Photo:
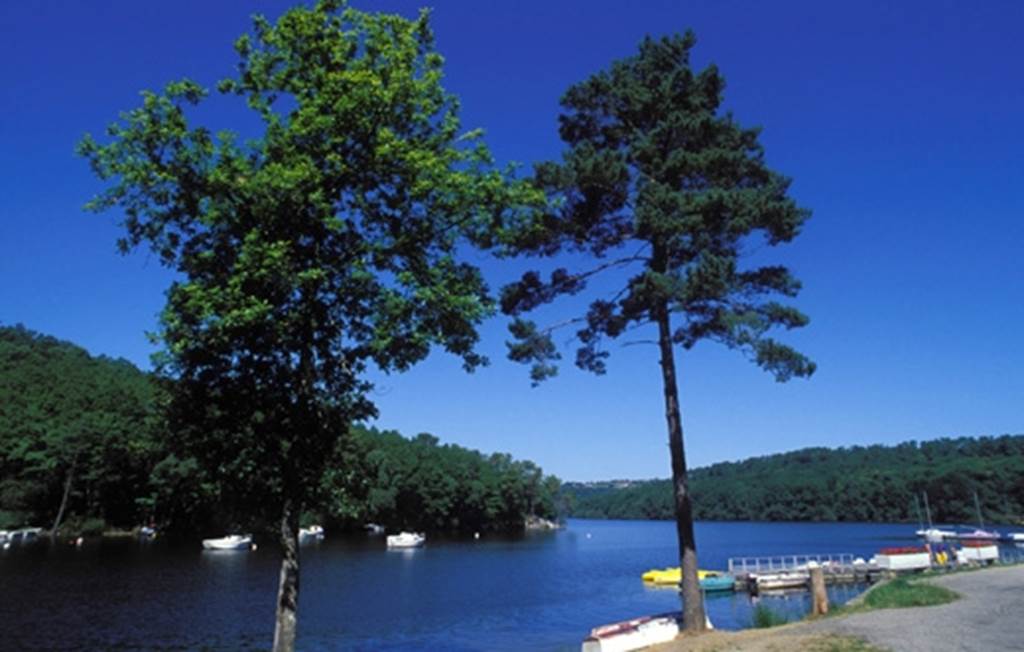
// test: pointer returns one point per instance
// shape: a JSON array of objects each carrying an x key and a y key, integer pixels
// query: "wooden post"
[{"x": 819, "y": 598}]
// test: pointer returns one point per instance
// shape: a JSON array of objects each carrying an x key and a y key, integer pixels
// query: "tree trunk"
[
  {"x": 693, "y": 599},
  {"x": 64, "y": 499},
  {"x": 288, "y": 588}
]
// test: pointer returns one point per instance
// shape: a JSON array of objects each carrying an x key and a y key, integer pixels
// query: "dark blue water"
[{"x": 538, "y": 592}]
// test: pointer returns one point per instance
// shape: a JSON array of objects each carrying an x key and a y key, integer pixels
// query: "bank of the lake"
[{"x": 540, "y": 591}]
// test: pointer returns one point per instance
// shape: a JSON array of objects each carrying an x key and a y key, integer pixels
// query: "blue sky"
[{"x": 900, "y": 123}]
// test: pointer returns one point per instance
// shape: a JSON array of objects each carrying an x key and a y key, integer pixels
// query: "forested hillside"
[
  {"x": 873, "y": 483},
  {"x": 74, "y": 427},
  {"x": 90, "y": 433}
]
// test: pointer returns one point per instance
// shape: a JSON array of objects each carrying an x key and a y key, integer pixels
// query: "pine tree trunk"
[
  {"x": 288, "y": 588},
  {"x": 693, "y": 599},
  {"x": 64, "y": 499}
]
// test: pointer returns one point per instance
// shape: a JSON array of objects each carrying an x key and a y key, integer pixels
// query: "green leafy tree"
[
  {"x": 323, "y": 246},
  {"x": 78, "y": 434},
  {"x": 659, "y": 182}
]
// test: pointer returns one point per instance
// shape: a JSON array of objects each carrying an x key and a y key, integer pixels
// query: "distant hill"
[{"x": 873, "y": 483}]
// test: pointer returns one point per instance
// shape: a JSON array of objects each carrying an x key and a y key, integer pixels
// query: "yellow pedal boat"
[{"x": 709, "y": 580}]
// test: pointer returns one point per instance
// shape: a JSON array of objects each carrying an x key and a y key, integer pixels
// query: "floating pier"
[{"x": 755, "y": 574}]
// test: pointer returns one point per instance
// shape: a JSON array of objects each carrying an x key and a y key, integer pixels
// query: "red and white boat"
[{"x": 633, "y": 634}]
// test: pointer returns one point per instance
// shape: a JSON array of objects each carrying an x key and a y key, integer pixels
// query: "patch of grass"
[
  {"x": 766, "y": 617},
  {"x": 901, "y": 593}
]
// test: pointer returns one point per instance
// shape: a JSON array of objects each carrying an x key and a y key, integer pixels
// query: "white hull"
[
  {"x": 776, "y": 581},
  {"x": 233, "y": 542},
  {"x": 311, "y": 533},
  {"x": 914, "y": 561},
  {"x": 406, "y": 540},
  {"x": 632, "y": 634},
  {"x": 936, "y": 534},
  {"x": 979, "y": 535}
]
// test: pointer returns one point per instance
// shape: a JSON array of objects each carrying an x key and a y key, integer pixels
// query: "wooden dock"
[{"x": 755, "y": 574}]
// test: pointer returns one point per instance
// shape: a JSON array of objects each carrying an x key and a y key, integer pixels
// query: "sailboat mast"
[
  {"x": 977, "y": 508},
  {"x": 917, "y": 509},
  {"x": 927, "y": 510}
]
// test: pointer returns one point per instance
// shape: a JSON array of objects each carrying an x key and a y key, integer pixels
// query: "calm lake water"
[{"x": 537, "y": 592}]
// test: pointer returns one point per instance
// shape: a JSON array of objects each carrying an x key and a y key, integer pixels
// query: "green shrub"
[
  {"x": 11, "y": 519},
  {"x": 86, "y": 526},
  {"x": 765, "y": 617},
  {"x": 902, "y": 593}
]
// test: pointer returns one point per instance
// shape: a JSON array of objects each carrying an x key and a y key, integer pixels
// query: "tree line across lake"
[
  {"x": 87, "y": 436},
  {"x": 858, "y": 483}
]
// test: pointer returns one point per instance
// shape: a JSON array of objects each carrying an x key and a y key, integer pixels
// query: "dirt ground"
[{"x": 788, "y": 638}]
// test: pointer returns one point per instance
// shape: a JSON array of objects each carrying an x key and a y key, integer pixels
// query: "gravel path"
[{"x": 989, "y": 616}]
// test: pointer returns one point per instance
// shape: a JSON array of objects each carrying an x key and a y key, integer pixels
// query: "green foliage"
[
  {"x": 323, "y": 246},
  {"x": 421, "y": 485},
  {"x": 900, "y": 593},
  {"x": 764, "y": 617},
  {"x": 61, "y": 412},
  {"x": 662, "y": 186},
  {"x": 88, "y": 526},
  {"x": 874, "y": 483},
  {"x": 127, "y": 476},
  {"x": 661, "y": 192}
]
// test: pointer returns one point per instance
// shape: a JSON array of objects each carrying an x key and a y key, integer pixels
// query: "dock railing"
[{"x": 748, "y": 565}]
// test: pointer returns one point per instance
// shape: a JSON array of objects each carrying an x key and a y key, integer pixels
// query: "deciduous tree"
[{"x": 325, "y": 245}]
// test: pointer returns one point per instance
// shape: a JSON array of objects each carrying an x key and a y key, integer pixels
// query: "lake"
[{"x": 541, "y": 591}]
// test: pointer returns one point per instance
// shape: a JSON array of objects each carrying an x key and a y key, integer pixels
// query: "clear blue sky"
[{"x": 902, "y": 125}]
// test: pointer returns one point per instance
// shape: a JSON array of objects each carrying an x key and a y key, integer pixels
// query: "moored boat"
[
  {"x": 709, "y": 580},
  {"x": 934, "y": 534},
  {"x": 311, "y": 533},
  {"x": 230, "y": 542},
  {"x": 978, "y": 534},
  {"x": 781, "y": 580},
  {"x": 406, "y": 540}
]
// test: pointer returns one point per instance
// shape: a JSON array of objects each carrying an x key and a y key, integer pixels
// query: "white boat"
[
  {"x": 406, "y": 540},
  {"x": 781, "y": 580},
  {"x": 934, "y": 534},
  {"x": 633, "y": 634},
  {"x": 231, "y": 542},
  {"x": 1017, "y": 537},
  {"x": 373, "y": 528},
  {"x": 311, "y": 533},
  {"x": 979, "y": 534}
]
